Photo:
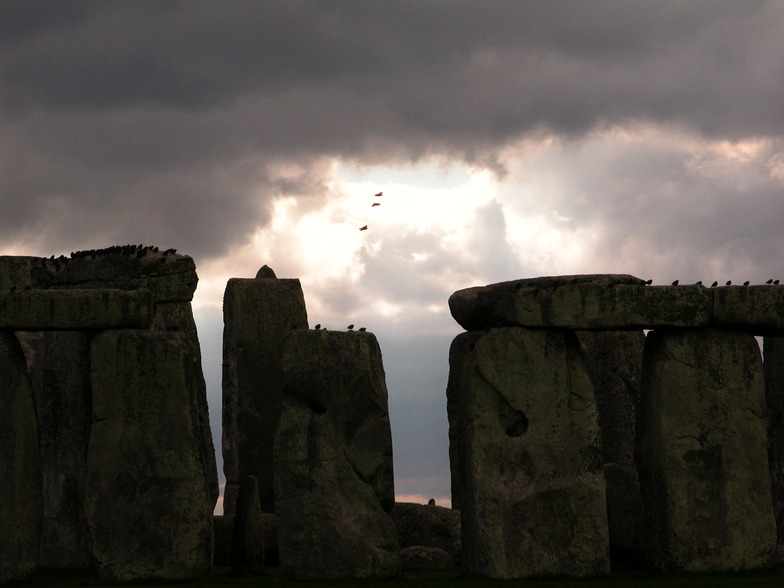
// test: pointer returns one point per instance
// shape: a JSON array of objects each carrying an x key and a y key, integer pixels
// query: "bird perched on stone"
[
  {"x": 648, "y": 282},
  {"x": 363, "y": 329},
  {"x": 746, "y": 283},
  {"x": 714, "y": 284},
  {"x": 379, "y": 194},
  {"x": 698, "y": 283},
  {"x": 317, "y": 327},
  {"x": 675, "y": 283},
  {"x": 776, "y": 282},
  {"x": 769, "y": 282},
  {"x": 350, "y": 327},
  {"x": 363, "y": 228},
  {"x": 729, "y": 283}
]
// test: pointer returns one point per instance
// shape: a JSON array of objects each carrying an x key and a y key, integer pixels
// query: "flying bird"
[
  {"x": 375, "y": 204},
  {"x": 363, "y": 228},
  {"x": 379, "y": 194}
]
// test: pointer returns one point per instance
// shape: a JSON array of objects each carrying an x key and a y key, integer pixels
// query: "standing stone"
[
  {"x": 702, "y": 452},
  {"x": 20, "y": 482},
  {"x": 247, "y": 540},
  {"x": 147, "y": 505},
  {"x": 533, "y": 499},
  {"x": 333, "y": 454},
  {"x": 614, "y": 362},
  {"x": 428, "y": 525},
  {"x": 257, "y": 315},
  {"x": 774, "y": 397},
  {"x": 59, "y": 365}
]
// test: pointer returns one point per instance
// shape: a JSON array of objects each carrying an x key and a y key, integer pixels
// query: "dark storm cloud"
[{"x": 115, "y": 105}]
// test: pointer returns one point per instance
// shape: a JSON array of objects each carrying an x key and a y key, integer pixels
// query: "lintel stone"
[{"x": 75, "y": 309}]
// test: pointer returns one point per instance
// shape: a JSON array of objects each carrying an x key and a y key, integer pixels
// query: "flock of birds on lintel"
[
  {"x": 318, "y": 327},
  {"x": 770, "y": 282}
]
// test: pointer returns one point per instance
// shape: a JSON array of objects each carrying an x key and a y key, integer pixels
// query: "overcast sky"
[{"x": 510, "y": 139}]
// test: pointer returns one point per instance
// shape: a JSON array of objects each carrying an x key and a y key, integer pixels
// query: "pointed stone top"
[{"x": 266, "y": 273}]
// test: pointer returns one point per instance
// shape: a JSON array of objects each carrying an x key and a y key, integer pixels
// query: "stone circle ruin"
[{"x": 576, "y": 439}]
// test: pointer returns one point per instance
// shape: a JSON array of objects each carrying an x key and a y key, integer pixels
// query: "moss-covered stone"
[
  {"x": 20, "y": 482},
  {"x": 257, "y": 315},
  {"x": 147, "y": 505},
  {"x": 702, "y": 452},
  {"x": 529, "y": 443},
  {"x": 333, "y": 459},
  {"x": 756, "y": 309},
  {"x": 773, "y": 348},
  {"x": 32, "y": 310}
]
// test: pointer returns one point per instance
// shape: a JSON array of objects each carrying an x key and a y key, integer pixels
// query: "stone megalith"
[
  {"x": 773, "y": 349},
  {"x": 247, "y": 537},
  {"x": 614, "y": 362},
  {"x": 333, "y": 456},
  {"x": 427, "y": 525},
  {"x": 147, "y": 500},
  {"x": 702, "y": 452},
  {"x": 59, "y": 366},
  {"x": 257, "y": 315},
  {"x": 533, "y": 499},
  {"x": 20, "y": 482}
]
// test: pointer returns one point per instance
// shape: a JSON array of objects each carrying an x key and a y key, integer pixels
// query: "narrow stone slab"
[
  {"x": 147, "y": 502},
  {"x": 773, "y": 348},
  {"x": 533, "y": 499},
  {"x": 605, "y": 302},
  {"x": 333, "y": 460},
  {"x": 20, "y": 481},
  {"x": 756, "y": 309},
  {"x": 257, "y": 315},
  {"x": 32, "y": 310},
  {"x": 702, "y": 452}
]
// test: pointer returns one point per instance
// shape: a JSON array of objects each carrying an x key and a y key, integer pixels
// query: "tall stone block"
[
  {"x": 20, "y": 482},
  {"x": 533, "y": 500},
  {"x": 257, "y": 315},
  {"x": 148, "y": 506},
  {"x": 614, "y": 362},
  {"x": 59, "y": 366},
  {"x": 773, "y": 349},
  {"x": 702, "y": 452},
  {"x": 333, "y": 456}
]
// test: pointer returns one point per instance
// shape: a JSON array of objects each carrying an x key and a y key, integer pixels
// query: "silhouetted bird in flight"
[
  {"x": 363, "y": 228},
  {"x": 675, "y": 283},
  {"x": 729, "y": 283},
  {"x": 375, "y": 204},
  {"x": 746, "y": 283},
  {"x": 714, "y": 284},
  {"x": 317, "y": 327},
  {"x": 379, "y": 194},
  {"x": 350, "y": 327}
]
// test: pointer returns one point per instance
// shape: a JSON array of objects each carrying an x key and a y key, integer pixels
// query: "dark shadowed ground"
[{"x": 454, "y": 579}]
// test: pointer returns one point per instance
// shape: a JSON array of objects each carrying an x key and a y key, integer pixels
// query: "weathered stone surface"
[
  {"x": 59, "y": 367},
  {"x": 257, "y": 315},
  {"x": 75, "y": 309},
  {"x": 614, "y": 363},
  {"x": 773, "y": 348},
  {"x": 756, "y": 309},
  {"x": 168, "y": 276},
  {"x": 222, "y": 531},
  {"x": 533, "y": 498},
  {"x": 421, "y": 558},
  {"x": 333, "y": 459},
  {"x": 428, "y": 526},
  {"x": 702, "y": 452},
  {"x": 247, "y": 539},
  {"x": 461, "y": 346},
  {"x": 20, "y": 482},
  {"x": 147, "y": 502}
]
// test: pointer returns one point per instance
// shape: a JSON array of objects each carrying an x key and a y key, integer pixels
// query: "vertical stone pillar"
[
  {"x": 20, "y": 482},
  {"x": 773, "y": 349},
  {"x": 59, "y": 366},
  {"x": 147, "y": 501},
  {"x": 614, "y": 362},
  {"x": 257, "y": 315},
  {"x": 702, "y": 452},
  {"x": 533, "y": 499},
  {"x": 333, "y": 477}
]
